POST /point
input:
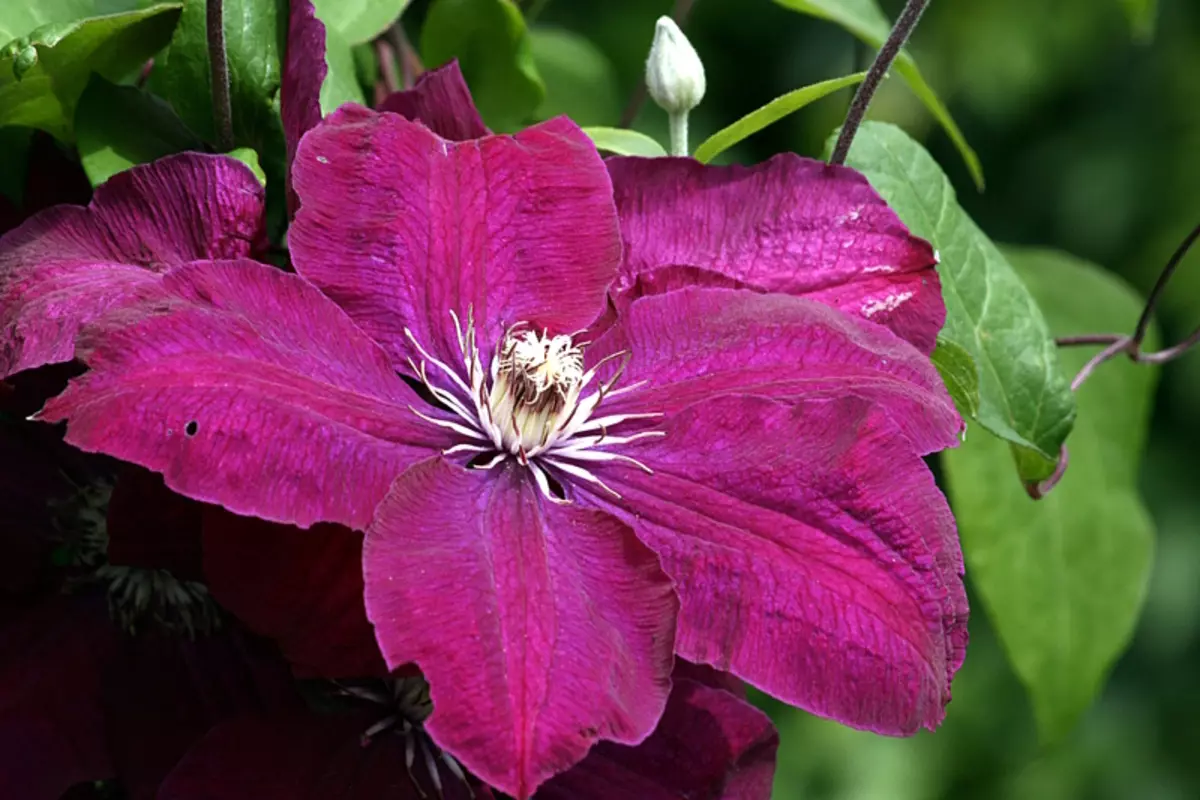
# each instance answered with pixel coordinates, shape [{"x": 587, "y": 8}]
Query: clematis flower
[{"x": 580, "y": 435}]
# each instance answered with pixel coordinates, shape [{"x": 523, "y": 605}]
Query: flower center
[{"x": 531, "y": 406}]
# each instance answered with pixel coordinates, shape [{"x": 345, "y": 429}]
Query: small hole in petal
[{"x": 192, "y": 428}]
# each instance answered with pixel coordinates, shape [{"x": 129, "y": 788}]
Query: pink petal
[
  {"x": 304, "y": 72},
  {"x": 68, "y": 264},
  {"x": 442, "y": 102},
  {"x": 709, "y": 744},
  {"x": 541, "y": 628},
  {"x": 252, "y": 369},
  {"x": 304, "y": 589},
  {"x": 402, "y": 227},
  {"x": 789, "y": 225},
  {"x": 303, "y": 756},
  {"x": 692, "y": 344},
  {"x": 814, "y": 555}
]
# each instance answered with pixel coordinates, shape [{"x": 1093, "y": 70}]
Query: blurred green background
[{"x": 1090, "y": 141}]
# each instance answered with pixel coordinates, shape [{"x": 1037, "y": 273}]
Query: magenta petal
[
  {"x": 304, "y": 72},
  {"x": 708, "y": 744},
  {"x": 790, "y": 225},
  {"x": 692, "y": 344},
  {"x": 814, "y": 555},
  {"x": 250, "y": 368},
  {"x": 402, "y": 227},
  {"x": 442, "y": 102},
  {"x": 303, "y": 756},
  {"x": 541, "y": 628},
  {"x": 69, "y": 264}
]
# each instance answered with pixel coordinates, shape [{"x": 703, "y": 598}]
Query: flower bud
[{"x": 674, "y": 72}]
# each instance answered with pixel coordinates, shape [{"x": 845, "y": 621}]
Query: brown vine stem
[
  {"x": 411, "y": 67},
  {"x": 1116, "y": 344},
  {"x": 905, "y": 24},
  {"x": 219, "y": 63},
  {"x": 680, "y": 13}
]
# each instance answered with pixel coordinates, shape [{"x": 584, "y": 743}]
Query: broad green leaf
[
  {"x": 358, "y": 21},
  {"x": 769, "y": 114},
  {"x": 14, "y": 163},
  {"x": 250, "y": 158},
  {"x": 1142, "y": 16},
  {"x": 960, "y": 374},
  {"x": 865, "y": 20},
  {"x": 341, "y": 77},
  {"x": 255, "y": 32},
  {"x": 625, "y": 142},
  {"x": 19, "y": 18},
  {"x": 43, "y": 72},
  {"x": 119, "y": 126},
  {"x": 491, "y": 43},
  {"x": 1063, "y": 578},
  {"x": 1023, "y": 395},
  {"x": 580, "y": 80}
]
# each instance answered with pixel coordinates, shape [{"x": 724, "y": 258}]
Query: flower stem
[
  {"x": 678, "y": 124},
  {"x": 903, "y": 28},
  {"x": 222, "y": 107}
]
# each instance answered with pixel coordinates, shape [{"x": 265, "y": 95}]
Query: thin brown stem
[
  {"x": 680, "y": 13},
  {"x": 411, "y": 67},
  {"x": 903, "y": 28},
  {"x": 1160, "y": 285},
  {"x": 219, "y": 63},
  {"x": 387, "y": 66}
]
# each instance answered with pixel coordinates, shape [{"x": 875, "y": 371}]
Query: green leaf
[
  {"x": 1063, "y": 578},
  {"x": 255, "y": 39},
  {"x": 43, "y": 72},
  {"x": 769, "y": 114},
  {"x": 864, "y": 20},
  {"x": 625, "y": 142},
  {"x": 960, "y": 374},
  {"x": 250, "y": 159},
  {"x": 580, "y": 80},
  {"x": 341, "y": 77},
  {"x": 14, "y": 163},
  {"x": 21, "y": 18},
  {"x": 1023, "y": 395},
  {"x": 358, "y": 21},
  {"x": 120, "y": 126},
  {"x": 490, "y": 40},
  {"x": 1142, "y": 16}
]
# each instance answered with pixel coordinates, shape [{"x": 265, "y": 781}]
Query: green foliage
[
  {"x": 1063, "y": 578},
  {"x": 491, "y": 42},
  {"x": 14, "y": 166},
  {"x": 119, "y": 126},
  {"x": 960, "y": 375},
  {"x": 250, "y": 159},
  {"x": 1142, "y": 16},
  {"x": 580, "y": 80},
  {"x": 358, "y": 21},
  {"x": 1023, "y": 396},
  {"x": 341, "y": 77},
  {"x": 45, "y": 69},
  {"x": 255, "y": 38},
  {"x": 766, "y": 115},
  {"x": 864, "y": 19},
  {"x": 625, "y": 142}
]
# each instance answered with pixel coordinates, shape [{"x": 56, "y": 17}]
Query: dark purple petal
[
  {"x": 162, "y": 692},
  {"x": 692, "y": 344},
  {"x": 250, "y": 368},
  {"x": 304, "y": 589},
  {"x": 442, "y": 102},
  {"x": 708, "y": 744},
  {"x": 51, "y": 718},
  {"x": 151, "y": 527},
  {"x": 304, "y": 757},
  {"x": 67, "y": 265},
  {"x": 541, "y": 628},
  {"x": 814, "y": 555},
  {"x": 304, "y": 72},
  {"x": 402, "y": 227},
  {"x": 789, "y": 225}
]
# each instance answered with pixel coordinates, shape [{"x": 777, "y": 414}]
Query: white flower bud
[{"x": 674, "y": 72}]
